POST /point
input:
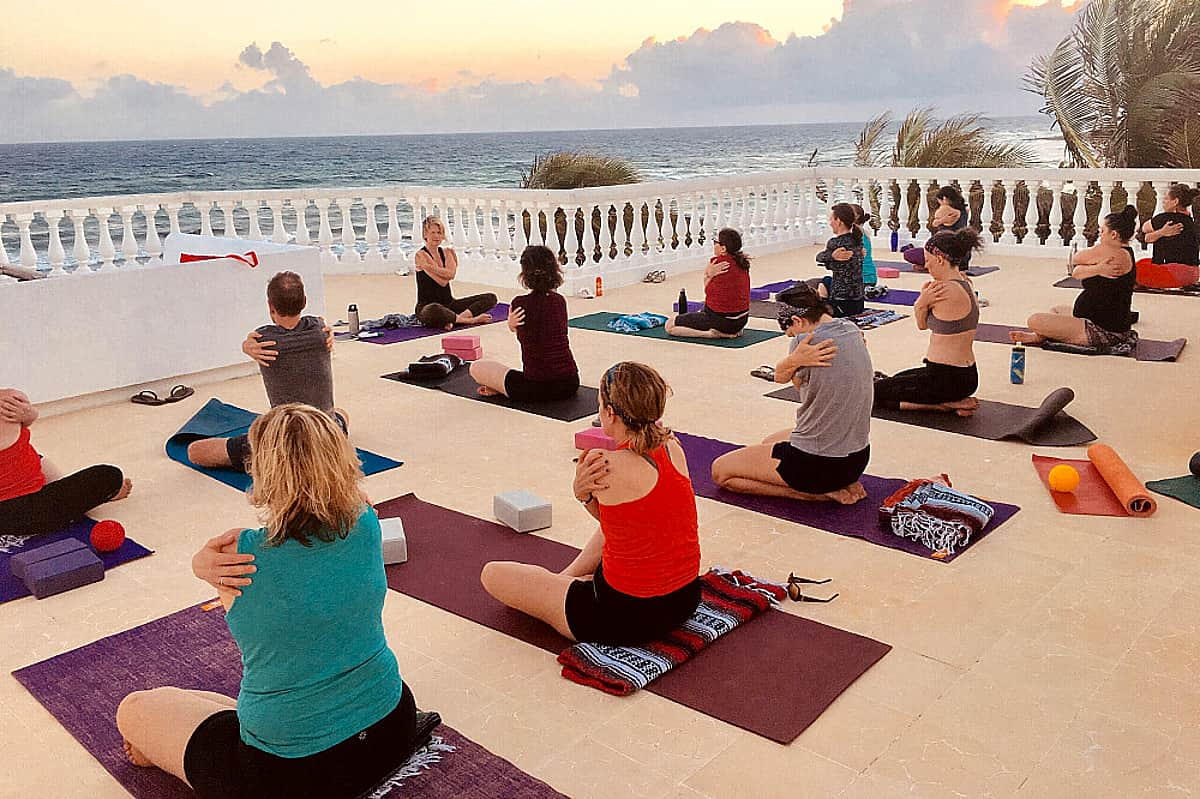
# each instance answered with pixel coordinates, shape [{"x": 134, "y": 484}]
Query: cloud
[{"x": 881, "y": 54}]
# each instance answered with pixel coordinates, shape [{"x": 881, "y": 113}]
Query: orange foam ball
[
  {"x": 108, "y": 535},
  {"x": 1063, "y": 478}
]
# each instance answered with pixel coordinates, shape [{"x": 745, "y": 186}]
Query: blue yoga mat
[
  {"x": 221, "y": 420},
  {"x": 11, "y": 588}
]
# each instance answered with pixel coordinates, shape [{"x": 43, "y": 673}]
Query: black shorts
[
  {"x": 238, "y": 447},
  {"x": 708, "y": 319},
  {"x": 520, "y": 388},
  {"x": 219, "y": 764},
  {"x": 818, "y": 474},
  {"x": 931, "y": 384},
  {"x": 600, "y": 614}
]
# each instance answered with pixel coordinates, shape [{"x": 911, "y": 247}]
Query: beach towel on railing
[
  {"x": 632, "y": 323},
  {"x": 727, "y": 599}
]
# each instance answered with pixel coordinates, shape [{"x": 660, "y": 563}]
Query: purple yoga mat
[
  {"x": 1147, "y": 349},
  {"x": 12, "y": 588},
  {"x": 893, "y": 296},
  {"x": 193, "y": 649},
  {"x": 860, "y": 520},
  {"x": 772, "y": 676},
  {"x": 396, "y": 335}
]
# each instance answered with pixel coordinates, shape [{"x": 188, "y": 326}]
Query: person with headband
[
  {"x": 321, "y": 709},
  {"x": 539, "y": 320},
  {"x": 1176, "y": 239},
  {"x": 1101, "y": 315},
  {"x": 952, "y": 214},
  {"x": 726, "y": 293},
  {"x": 436, "y": 305},
  {"x": 822, "y": 458},
  {"x": 638, "y": 576},
  {"x": 948, "y": 310}
]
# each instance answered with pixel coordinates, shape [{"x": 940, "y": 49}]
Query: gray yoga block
[
  {"x": 522, "y": 510},
  {"x": 395, "y": 545},
  {"x": 54, "y": 575},
  {"x": 20, "y": 563}
]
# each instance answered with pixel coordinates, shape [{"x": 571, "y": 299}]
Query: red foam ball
[{"x": 108, "y": 535}]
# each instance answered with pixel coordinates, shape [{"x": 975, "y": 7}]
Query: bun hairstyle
[
  {"x": 731, "y": 240},
  {"x": 861, "y": 217},
  {"x": 637, "y": 394},
  {"x": 1123, "y": 223},
  {"x": 845, "y": 213},
  {"x": 952, "y": 195},
  {"x": 801, "y": 300},
  {"x": 1184, "y": 194},
  {"x": 955, "y": 245},
  {"x": 540, "y": 271}
]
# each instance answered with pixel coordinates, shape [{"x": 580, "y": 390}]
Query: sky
[{"x": 235, "y": 68}]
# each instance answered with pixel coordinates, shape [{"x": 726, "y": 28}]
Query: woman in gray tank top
[{"x": 947, "y": 308}]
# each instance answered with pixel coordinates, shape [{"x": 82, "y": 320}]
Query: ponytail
[
  {"x": 731, "y": 240},
  {"x": 637, "y": 394},
  {"x": 846, "y": 214},
  {"x": 956, "y": 245}
]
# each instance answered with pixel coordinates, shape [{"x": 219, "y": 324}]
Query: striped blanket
[{"x": 727, "y": 599}]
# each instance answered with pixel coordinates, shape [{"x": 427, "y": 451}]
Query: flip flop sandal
[
  {"x": 764, "y": 372},
  {"x": 660, "y": 277},
  {"x": 180, "y": 392},
  {"x": 147, "y": 397}
]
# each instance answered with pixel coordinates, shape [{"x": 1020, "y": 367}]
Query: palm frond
[
  {"x": 577, "y": 170},
  {"x": 912, "y": 131},
  {"x": 868, "y": 148}
]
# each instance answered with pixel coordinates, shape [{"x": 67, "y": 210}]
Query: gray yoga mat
[
  {"x": 905, "y": 266},
  {"x": 1047, "y": 425},
  {"x": 1074, "y": 283},
  {"x": 1147, "y": 349},
  {"x": 585, "y": 402}
]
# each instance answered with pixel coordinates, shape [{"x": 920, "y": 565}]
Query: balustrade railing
[{"x": 618, "y": 231}]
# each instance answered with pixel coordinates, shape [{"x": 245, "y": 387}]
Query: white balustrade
[{"x": 1054, "y": 237}]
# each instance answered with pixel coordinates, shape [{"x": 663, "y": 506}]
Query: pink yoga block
[
  {"x": 456, "y": 343},
  {"x": 593, "y": 438},
  {"x": 467, "y": 355},
  {"x": 887, "y": 271}
]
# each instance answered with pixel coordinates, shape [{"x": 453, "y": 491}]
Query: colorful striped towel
[{"x": 727, "y": 599}]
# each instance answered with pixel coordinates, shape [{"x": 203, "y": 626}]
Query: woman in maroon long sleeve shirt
[
  {"x": 726, "y": 293},
  {"x": 539, "y": 319}
]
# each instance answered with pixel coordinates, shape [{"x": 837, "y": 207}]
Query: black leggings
[
  {"x": 931, "y": 384},
  {"x": 59, "y": 503},
  {"x": 437, "y": 315}
]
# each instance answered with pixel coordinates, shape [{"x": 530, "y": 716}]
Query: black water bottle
[{"x": 683, "y": 308}]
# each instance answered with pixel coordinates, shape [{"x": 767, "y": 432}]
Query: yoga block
[
  {"x": 593, "y": 438},
  {"x": 395, "y": 545},
  {"x": 522, "y": 510},
  {"x": 52, "y": 576},
  {"x": 887, "y": 271},
  {"x": 759, "y": 294},
  {"x": 468, "y": 355},
  {"x": 457, "y": 343},
  {"x": 20, "y": 563}
]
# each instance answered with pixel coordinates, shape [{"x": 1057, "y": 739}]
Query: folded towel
[
  {"x": 632, "y": 323},
  {"x": 936, "y": 515},
  {"x": 727, "y": 599}
]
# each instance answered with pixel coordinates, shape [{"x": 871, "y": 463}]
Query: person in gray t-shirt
[
  {"x": 293, "y": 356},
  {"x": 828, "y": 450}
]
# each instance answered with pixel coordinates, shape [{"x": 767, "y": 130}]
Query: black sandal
[
  {"x": 147, "y": 397},
  {"x": 180, "y": 392}
]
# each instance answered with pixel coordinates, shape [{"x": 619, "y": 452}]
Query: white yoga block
[
  {"x": 395, "y": 546},
  {"x": 522, "y": 510}
]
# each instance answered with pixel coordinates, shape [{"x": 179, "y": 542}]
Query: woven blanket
[
  {"x": 936, "y": 515},
  {"x": 875, "y": 318},
  {"x": 632, "y": 323},
  {"x": 727, "y": 599}
]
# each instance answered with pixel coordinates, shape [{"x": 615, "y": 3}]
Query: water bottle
[
  {"x": 683, "y": 307},
  {"x": 599, "y": 286},
  {"x": 1016, "y": 370},
  {"x": 895, "y": 240},
  {"x": 352, "y": 316}
]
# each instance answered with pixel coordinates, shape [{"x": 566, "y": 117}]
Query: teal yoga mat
[
  {"x": 1186, "y": 489},
  {"x": 599, "y": 321},
  {"x": 221, "y": 420}
]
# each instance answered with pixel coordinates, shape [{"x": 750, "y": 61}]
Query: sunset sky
[{"x": 173, "y": 60}]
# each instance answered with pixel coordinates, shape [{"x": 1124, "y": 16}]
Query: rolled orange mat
[{"x": 1132, "y": 494}]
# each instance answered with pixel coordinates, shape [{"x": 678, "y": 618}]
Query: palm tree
[
  {"x": 575, "y": 170},
  {"x": 921, "y": 141},
  {"x": 1124, "y": 86}
]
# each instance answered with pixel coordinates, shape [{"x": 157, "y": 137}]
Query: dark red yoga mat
[
  {"x": 773, "y": 676},
  {"x": 1147, "y": 349},
  {"x": 193, "y": 649}
]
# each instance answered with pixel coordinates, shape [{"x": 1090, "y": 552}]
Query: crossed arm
[{"x": 15, "y": 407}]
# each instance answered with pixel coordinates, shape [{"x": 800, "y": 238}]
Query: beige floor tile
[
  {"x": 1152, "y": 700},
  {"x": 854, "y": 731},
  {"x": 587, "y": 769},
  {"x": 906, "y": 681},
  {"x": 757, "y": 767}
]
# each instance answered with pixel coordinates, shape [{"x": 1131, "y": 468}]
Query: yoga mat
[
  {"x": 193, "y": 649},
  {"x": 460, "y": 383},
  {"x": 905, "y": 266},
  {"x": 220, "y": 420},
  {"x": 1048, "y": 425},
  {"x": 860, "y": 520},
  {"x": 599, "y": 321},
  {"x": 893, "y": 296},
  {"x": 1074, "y": 283},
  {"x": 395, "y": 335},
  {"x": 12, "y": 588},
  {"x": 769, "y": 309},
  {"x": 1147, "y": 349},
  {"x": 1107, "y": 487},
  {"x": 1186, "y": 489},
  {"x": 772, "y": 676}
]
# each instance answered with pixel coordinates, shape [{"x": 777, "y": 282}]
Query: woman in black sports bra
[
  {"x": 1101, "y": 316},
  {"x": 948, "y": 310},
  {"x": 436, "y": 306}
]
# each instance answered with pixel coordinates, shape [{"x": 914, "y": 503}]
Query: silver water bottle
[{"x": 352, "y": 316}]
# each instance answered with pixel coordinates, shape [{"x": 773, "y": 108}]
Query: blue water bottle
[
  {"x": 895, "y": 240},
  {"x": 1016, "y": 371}
]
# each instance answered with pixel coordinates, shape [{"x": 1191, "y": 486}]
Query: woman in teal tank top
[{"x": 321, "y": 710}]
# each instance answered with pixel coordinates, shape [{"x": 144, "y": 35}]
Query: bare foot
[
  {"x": 448, "y": 327},
  {"x": 484, "y": 391},
  {"x": 848, "y": 495},
  {"x": 1025, "y": 337},
  {"x": 963, "y": 407},
  {"x": 126, "y": 489},
  {"x": 482, "y": 319},
  {"x": 136, "y": 757},
  {"x": 719, "y": 334}
]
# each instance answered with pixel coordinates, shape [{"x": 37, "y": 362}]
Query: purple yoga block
[
  {"x": 20, "y": 563},
  {"x": 759, "y": 294},
  {"x": 55, "y": 575}
]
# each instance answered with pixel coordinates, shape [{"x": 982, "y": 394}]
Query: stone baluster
[
  {"x": 28, "y": 255},
  {"x": 987, "y": 212},
  {"x": 81, "y": 252},
  {"x": 625, "y": 236},
  {"x": 279, "y": 233},
  {"x": 4, "y": 252},
  {"x": 524, "y": 236},
  {"x": 694, "y": 202},
  {"x": 474, "y": 234},
  {"x": 152, "y": 244},
  {"x": 639, "y": 228},
  {"x": 254, "y": 232},
  {"x": 56, "y": 254},
  {"x": 885, "y": 212},
  {"x": 301, "y": 210},
  {"x": 572, "y": 245},
  {"x": 1160, "y": 196},
  {"x": 205, "y": 209},
  {"x": 491, "y": 243},
  {"x": 1106, "y": 193},
  {"x": 923, "y": 208},
  {"x": 590, "y": 240},
  {"x": 229, "y": 229},
  {"x": 415, "y": 227},
  {"x": 1079, "y": 238},
  {"x": 718, "y": 216},
  {"x": 785, "y": 218},
  {"x": 464, "y": 221},
  {"x": 374, "y": 253},
  {"x": 325, "y": 233},
  {"x": 744, "y": 215},
  {"x": 129, "y": 246},
  {"x": 107, "y": 250},
  {"x": 173, "y": 210},
  {"x": 609, "y": 237},
  {"x": 1009, "y": 217},
  {"x": 348, "y": 237},
  {"x": 1054, "y": 237}
]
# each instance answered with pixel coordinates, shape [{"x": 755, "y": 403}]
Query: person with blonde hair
[
  {"x": 436, "y": 305},
  {"x": 322, "y": 710},
  {"x": 638, "y": 576}
]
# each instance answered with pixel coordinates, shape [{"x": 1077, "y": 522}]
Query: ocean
[{"x": 492, "y": 160}]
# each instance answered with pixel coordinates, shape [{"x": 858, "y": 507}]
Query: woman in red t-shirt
[
  {"x": 726, "y": 293},
  {"x": 637, "y": 578},
  {"x": 35, "y": 498},
  {"x": 539, "y": 319}
]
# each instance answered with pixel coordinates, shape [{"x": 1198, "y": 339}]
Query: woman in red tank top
[
  {"x": 637, "y": 578},
  {"x": 726, "y": 293}
]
